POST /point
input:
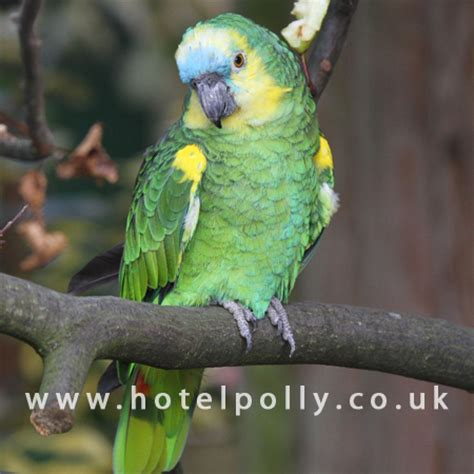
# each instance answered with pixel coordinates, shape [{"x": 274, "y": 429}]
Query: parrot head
[{"x": 238, "y": 73}]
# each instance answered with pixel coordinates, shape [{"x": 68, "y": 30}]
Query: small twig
[
  {"x": 37, "y": 140},
  {"x": 30, "y": 46},
  {"x": 12, "y": 222}
]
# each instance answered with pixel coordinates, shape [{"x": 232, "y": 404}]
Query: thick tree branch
[
  {"x": 327, "y": 47},
  {"x": 70, "y": 332}
]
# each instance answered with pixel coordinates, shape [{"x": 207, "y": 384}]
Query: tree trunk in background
[{"x": 399, "y": 115}]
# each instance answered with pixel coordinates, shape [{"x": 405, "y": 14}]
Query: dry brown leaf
[
  {"x": 32, "y": 189},
  {"x": 45, "y": 245},
  {"x": 90, "y": 159}
]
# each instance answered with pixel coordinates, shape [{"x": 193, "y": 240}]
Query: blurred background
[{"x": 398, "y": 113}]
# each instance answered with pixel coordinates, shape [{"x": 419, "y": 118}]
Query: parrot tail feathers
[{"x": 151, "y": 439}]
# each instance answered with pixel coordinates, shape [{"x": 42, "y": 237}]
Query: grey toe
[
  {"x": 243, "y": 317},
  {"x": 279, "y": 318}
]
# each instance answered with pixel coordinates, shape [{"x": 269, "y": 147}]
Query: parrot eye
[{"x": 239, "y": 60}]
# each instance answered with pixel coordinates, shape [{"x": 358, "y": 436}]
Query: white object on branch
[{"x": 309, "y": 18}]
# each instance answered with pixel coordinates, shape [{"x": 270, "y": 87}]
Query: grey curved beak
[{"x": 215, "y": 96}]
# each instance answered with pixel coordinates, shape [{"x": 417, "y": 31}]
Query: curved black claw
[
  {"x": 279, "y": 318},
  {"x": 244, "y": 318}
]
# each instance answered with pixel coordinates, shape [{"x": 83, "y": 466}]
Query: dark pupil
[{"x": 239, "y": 60}]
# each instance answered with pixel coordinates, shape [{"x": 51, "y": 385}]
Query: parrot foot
[
  {"x": 279, "y": 318},
  {"x": 244, "y": 318}
]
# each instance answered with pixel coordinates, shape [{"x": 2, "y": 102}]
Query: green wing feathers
[
  {"x": 163, "y": 214},
  {"x": 166, "y": 189}
]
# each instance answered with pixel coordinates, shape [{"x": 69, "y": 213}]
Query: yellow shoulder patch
[
  {"x": 323, "y": 158},
  {"x": 192, "y": 162}
]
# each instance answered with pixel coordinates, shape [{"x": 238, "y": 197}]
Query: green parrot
[{"x": 227, "y": 209}]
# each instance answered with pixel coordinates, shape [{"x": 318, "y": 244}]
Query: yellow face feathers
[
  {"x": 192, "y": 162},
  {"x": 194, "y": 117},
  {"x": 257, "y": 95}
]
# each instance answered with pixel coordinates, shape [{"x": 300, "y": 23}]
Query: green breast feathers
[{"x": 224, "y": 221}]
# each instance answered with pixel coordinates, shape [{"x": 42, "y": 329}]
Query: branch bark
[
  {"x": 20, "y": 149},
  {"x": 325, "y": 51},
  {"x": 30, "y": 46},
  {"x": 70, "y": 332},
  {"x": 39, "y": 143}
]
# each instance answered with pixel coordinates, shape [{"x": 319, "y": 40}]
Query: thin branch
[
  {"x": 20, "y": 149},
  {"x": 38, "y": 144},
  {"x": 327, "y": 47},
  {"x": 12, "y": 222},
  {"x": 70, "y": 332},
  {"x": 30, "y": 47}
]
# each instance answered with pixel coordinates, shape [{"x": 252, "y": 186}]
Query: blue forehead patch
[{"x": 201, "y": 60}]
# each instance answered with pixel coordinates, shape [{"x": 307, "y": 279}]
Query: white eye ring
[{"x": 238, "y": 61}]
